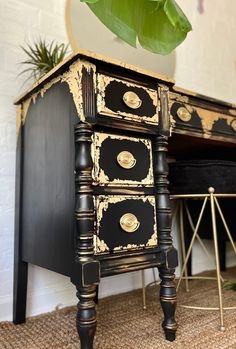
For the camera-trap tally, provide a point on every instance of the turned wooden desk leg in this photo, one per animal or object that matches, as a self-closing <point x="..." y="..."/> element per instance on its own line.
<point x="86" y="320"/>
<point x="167" y="287"/>
<point x="168" y="302"/>
<point x="87" y="270"/>
<point x="20" y="267"/>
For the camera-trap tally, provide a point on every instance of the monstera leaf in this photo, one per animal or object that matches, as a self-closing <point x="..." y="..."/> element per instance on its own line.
<point x="158" y="25"/>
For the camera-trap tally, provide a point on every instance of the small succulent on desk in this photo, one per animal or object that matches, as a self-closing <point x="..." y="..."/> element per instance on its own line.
<point x="42" y="57"/>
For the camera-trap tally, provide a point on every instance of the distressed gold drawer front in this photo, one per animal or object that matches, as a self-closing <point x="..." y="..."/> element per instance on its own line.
<point x="125" y="223"/>
<point x="122" y="99"/>
<point x="121" y="160"/>
<point x="200" y="119"/>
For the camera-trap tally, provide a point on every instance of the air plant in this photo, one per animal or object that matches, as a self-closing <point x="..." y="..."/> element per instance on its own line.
<point x="229" y="285"/>
<point x="42" y="57"/>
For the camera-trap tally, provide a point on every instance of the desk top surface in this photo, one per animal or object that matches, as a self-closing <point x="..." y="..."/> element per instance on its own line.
<point x="87" y="55"/>
<point x="84" y="54"/>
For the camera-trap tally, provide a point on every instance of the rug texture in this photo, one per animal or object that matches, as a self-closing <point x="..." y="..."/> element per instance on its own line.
<point x="123" y="324"/>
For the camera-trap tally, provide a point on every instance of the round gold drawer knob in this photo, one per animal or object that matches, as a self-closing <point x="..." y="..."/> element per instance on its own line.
<point x="132" y="100"/>
<point x="233" y="125"/>
<point x="129" y="223"/>
<point x="184" y="114"/>
<point x="126" y="159"/>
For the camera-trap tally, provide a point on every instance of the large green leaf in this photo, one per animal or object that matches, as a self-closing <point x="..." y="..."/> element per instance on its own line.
<point x="89" y="1"/>
<point x="119" y="19"/>
<point x="159" y="25"/>
<point x="176" y="16"/>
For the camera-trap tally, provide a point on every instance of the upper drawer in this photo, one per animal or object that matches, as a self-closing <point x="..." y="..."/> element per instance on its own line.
<point x="211" y="121"/>
<point x="121" y="160"/>
<point x="122" y="99"/>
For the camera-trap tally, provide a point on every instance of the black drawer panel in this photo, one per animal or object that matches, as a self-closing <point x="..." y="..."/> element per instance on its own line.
<point x="122" y="99"/>
<point x="125" y="223"/>
<point x="122" y="160"/>
<point x="201" y="119"/>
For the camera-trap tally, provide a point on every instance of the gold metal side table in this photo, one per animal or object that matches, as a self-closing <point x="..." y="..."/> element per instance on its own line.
<point x="181" y="204"/>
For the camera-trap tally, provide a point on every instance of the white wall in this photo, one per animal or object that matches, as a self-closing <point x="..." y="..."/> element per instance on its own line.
<point x="86" y="31"/>
<point x="205" y="62"/>
<point x="20" y="21"/>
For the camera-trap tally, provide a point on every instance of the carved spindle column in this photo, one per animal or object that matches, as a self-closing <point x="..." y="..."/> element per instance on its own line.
<point x="87" y="269"/>
<point x="165" y="243"/>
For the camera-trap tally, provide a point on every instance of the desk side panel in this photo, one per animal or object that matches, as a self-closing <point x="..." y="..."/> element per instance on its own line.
<point x="48" y="180"/>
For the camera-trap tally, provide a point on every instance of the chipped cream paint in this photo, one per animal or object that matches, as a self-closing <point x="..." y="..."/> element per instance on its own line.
<point x="153" y="240"/>
<point x="98" y="174"/>
<point x="99" y="245"/>
<point x="73" y="78"/>
<point x="164" y="108"/>
<point x="233" y="125"/>
<point x="206" y="98"/>
<point x="177" y="98"/>
<point x="26" y="103"/>
<point x="199" y="134"/>
<point x="25" y="108"/>
<point x="232" y="112"/>
<point x="102" y="203"/>
<point x="18" y="119"/>
<point x="207" y="117"/>
<point x="102" y="83"/>
<point x="82" y="54"/>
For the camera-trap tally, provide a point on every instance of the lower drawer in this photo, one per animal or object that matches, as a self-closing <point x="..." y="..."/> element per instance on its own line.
<point x="125" y="223"/>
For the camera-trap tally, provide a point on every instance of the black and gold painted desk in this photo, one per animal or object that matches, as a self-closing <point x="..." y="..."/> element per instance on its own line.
<point x="91" y="194"/>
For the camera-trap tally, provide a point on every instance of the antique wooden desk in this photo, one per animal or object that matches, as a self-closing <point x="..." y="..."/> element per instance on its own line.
<point x="91" y="195"/>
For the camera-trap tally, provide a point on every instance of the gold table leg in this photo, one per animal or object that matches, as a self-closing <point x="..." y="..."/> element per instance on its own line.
<point x="211" y="191"/>
<point x="183" y="246"/>
<point x="144" y="290"/>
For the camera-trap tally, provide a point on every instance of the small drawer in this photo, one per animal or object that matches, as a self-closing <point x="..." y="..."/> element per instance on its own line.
<point x="122" y="99"/>
<point x="121" y="160"/>
<point x="125" y="223"/>
<point x="202" y="119"/>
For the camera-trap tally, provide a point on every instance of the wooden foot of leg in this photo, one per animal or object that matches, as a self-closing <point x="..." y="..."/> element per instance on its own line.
<point x="20" y="291"/>
<point x="86" y="320"/>
<point x="168" y="302"/>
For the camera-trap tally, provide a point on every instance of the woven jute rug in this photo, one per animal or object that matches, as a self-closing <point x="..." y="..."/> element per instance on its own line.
<point x="123" y="324"/>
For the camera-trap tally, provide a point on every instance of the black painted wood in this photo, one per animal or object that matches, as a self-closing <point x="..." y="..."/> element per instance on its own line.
<point x="57" y="143"/>
<point x="109" y="151"/>
<point x="20" y="267"/>
<point x="114" y="93"/>
<point x="165" y="243"/>
<point x="110" y="230"/>
<point x="194" y="123"/>
<point x="117" y="263"/>
<point x="89" y="95"/>
<point x="57" y="181"/>
<point x="48" y="181"/>
<point x="118" y="190"/>
<point x="87" y="270"/>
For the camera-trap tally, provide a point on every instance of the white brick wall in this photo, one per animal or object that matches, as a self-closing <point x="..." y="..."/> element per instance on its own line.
<point x="205" y="63"/>
<point x="20" y="21"/>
